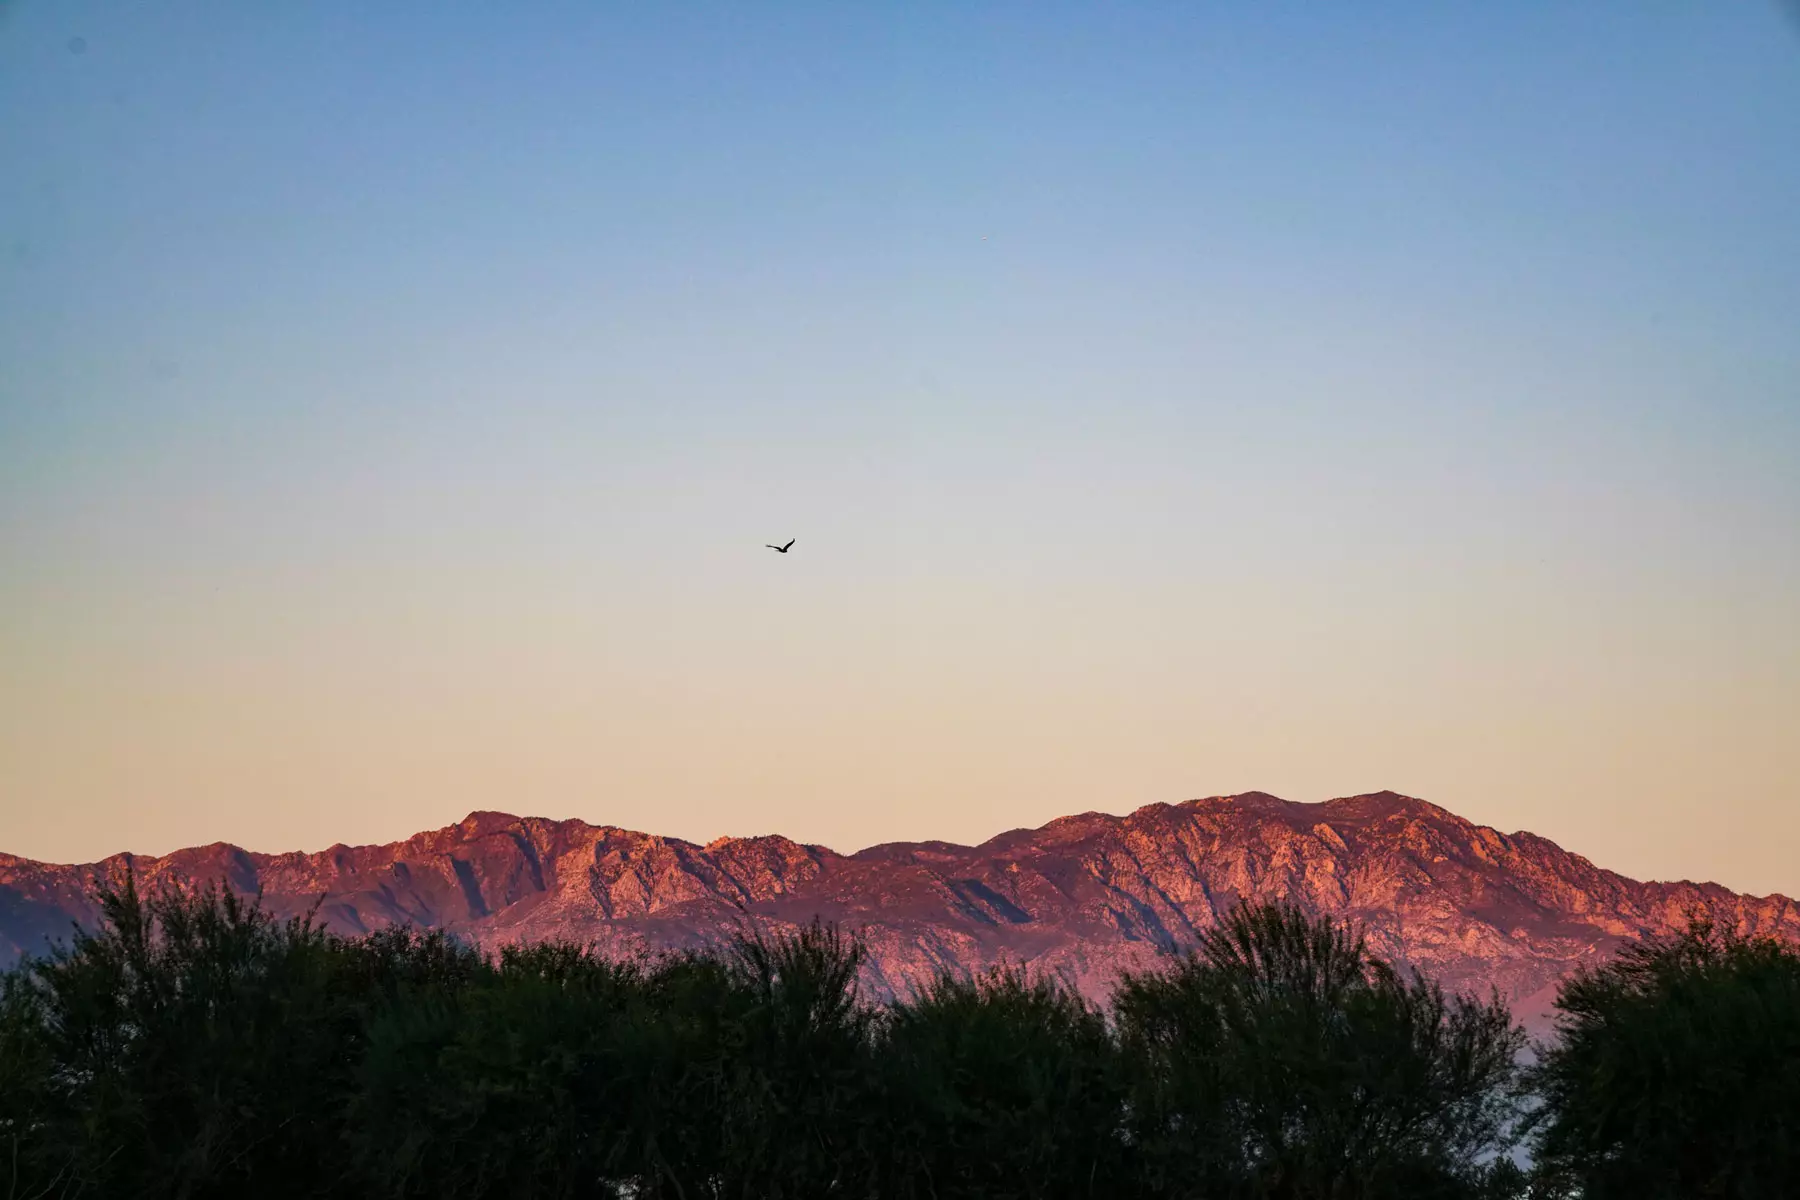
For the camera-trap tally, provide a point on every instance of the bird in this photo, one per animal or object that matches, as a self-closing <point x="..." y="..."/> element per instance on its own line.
<point x="781" y="549"/>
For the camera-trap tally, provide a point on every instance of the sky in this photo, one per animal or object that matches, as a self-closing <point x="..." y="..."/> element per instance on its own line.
<point x="1166" y="400"/>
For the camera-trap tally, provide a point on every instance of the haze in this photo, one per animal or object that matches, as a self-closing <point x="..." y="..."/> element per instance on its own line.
<point x="1165" y="400"/>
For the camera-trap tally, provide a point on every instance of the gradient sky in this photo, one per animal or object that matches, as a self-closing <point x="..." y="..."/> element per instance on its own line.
<point x="1168" y="400"/>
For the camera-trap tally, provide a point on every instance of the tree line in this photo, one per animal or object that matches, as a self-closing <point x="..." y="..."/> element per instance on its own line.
<point x="193" y="1046"/>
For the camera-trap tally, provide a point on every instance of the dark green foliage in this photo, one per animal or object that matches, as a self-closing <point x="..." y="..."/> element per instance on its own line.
<point x="1000" y="1087"/>
<point x="560" y="1074"/>
<point x="28" y="1165"/>
<point x="1282" y="1060"/>
<point x="798" y="1071"/>
<point x="191" y="1048"/>
<point x="499" y="1088"/>
<point x="195" y="1047"/>
<point x="1676" y="1072"/>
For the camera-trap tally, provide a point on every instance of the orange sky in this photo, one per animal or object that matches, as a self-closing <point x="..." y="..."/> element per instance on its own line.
<point x="1165" y="403"/>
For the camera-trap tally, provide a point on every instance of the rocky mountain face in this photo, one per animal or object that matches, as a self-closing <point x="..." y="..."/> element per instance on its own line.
<point x="1085" y="895"/>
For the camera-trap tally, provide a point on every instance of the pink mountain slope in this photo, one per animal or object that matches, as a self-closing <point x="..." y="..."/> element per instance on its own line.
<point x="1085" y="895"/>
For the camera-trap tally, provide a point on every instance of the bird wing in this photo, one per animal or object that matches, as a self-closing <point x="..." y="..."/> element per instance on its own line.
<point x="791" y="541"/>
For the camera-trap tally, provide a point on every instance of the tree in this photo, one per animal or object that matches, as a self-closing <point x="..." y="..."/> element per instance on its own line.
<point x="1284" y="1060"/>
<point x="194" y="1046"/>
<point x="29" y="1163"/>
<point x="1000" y="1087"/>
<point x="188" y="1048"/>
<point x="799" y="1076"/>
<point x="1676" y="1072"/>
<point x="558" y="1074"/>
<point x="540" y="1076"/>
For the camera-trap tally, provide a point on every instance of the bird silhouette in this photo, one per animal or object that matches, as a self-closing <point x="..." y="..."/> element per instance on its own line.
<point x="781" y="549"/>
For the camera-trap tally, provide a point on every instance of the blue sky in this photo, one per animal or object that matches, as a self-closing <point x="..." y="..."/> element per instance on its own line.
<point x="1167" y="400"/>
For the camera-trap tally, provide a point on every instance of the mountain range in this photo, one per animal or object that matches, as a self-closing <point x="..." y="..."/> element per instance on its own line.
<point x="1087" y="895"/>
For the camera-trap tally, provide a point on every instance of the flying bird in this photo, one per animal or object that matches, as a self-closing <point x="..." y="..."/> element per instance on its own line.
<point x="782" y="549"/>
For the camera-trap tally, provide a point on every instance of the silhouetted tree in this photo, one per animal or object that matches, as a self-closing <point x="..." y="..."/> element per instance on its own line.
<point x="518" y="1083"/>
<point x="1000" y="1086"/>
<point x="1676" y="1072"/>
<point x="192" y="1048"/>
<point x="558" y="1073"/>
<point x="1284" y="1060"/>
<point x="195" y="1046"/>
<point x="799" y="1074"/>
<point x="30" y="1161"/>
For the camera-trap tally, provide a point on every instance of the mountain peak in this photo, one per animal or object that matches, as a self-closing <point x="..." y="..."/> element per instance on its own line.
<point x="1389" y="804"/>
<point x="1090" y="894"/>
<point x="484" y="821"/>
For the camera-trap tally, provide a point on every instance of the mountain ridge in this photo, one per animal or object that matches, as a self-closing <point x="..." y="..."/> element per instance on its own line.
<point x="1088" y="895"/>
